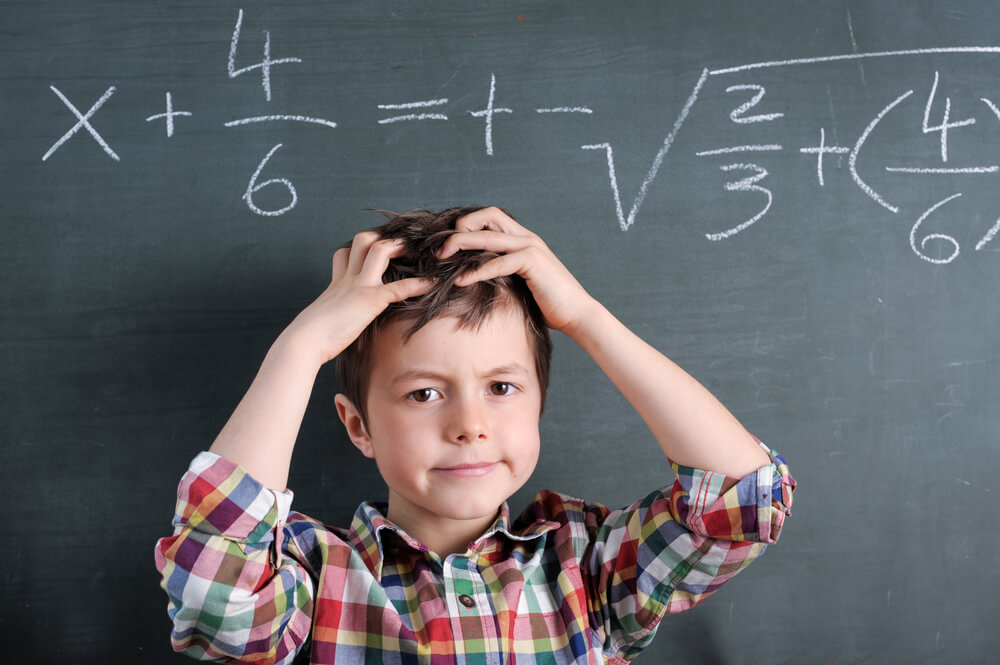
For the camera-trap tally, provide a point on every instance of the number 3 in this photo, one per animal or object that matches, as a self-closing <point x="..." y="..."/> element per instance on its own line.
<point x="748" y="184"/>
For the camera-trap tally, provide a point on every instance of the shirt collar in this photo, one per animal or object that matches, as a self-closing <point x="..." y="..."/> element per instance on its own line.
<point x="530" y="531"/>
<point x="370" y="526"/>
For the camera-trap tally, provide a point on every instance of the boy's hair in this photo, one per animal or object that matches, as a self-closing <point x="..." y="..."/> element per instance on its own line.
<point x="424" y="233"/>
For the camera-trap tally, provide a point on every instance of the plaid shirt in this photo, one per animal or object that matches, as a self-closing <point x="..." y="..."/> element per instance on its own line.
<point x="567" y="582"/>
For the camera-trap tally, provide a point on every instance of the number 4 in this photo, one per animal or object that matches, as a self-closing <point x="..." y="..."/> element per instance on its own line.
<point x="945" y="125"/>
<point x="264" y="65"/>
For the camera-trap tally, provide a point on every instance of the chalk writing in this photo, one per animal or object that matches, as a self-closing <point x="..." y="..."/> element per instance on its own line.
<point x="737" y="113"/>
<point x="933" y="236"/>
<point x="989" y="236"/>
<point x="741" y="114"/>
<point x="821" y="150"/>
<point x="992" y="106"/>
<point x="83" y="121"/>
<point x="169" y="115"/>
<point x="856" y="56"/>
<point x="746" y="164"/>
<point x="623" y="221"/>
<point x="274" y="118"/>
<point x="748" y="184"/>
<point x="264" y="65"/>
<point x="945" y="125"/>
<point x="489" y="112"/>
<point x="740" y="148"/>
<point x="255" y="187"/>
<point x="566" y="109"/>
<point x="414" y="116"/>
<point x="946" y="247"/>
<point x="925" y="170"/>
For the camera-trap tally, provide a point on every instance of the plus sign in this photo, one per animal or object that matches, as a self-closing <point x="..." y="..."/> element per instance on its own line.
<point x="169" y="115"/>
<point x="488" y="113"/>
<point x="821" y="150"/>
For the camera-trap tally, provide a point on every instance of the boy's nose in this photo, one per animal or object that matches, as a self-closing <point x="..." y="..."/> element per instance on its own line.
<point x="468" y="422"/>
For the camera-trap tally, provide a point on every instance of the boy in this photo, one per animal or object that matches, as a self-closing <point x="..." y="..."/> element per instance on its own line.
<point x="439" y="323"/>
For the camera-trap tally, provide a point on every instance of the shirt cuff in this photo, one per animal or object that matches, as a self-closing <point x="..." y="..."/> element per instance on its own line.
<point x="775" y="488"/>
<point x="220" y="498"/>
<point x="751" y="508"/>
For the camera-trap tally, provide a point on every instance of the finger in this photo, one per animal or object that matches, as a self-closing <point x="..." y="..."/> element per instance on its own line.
<point x="488" y="240"/>
<point x="379" y="255"/>
<point x="506" y="264"/>
<point x="408" y="288"/>
<point x="359" y="250"/>
<point x="492" y="218"/>
<point x="340" y="259"/>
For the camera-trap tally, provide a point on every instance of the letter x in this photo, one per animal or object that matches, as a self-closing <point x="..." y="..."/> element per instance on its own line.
<point x="83" y="122"/>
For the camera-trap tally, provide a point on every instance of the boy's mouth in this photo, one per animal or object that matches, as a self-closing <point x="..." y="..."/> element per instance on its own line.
<point x="473" y="470"/>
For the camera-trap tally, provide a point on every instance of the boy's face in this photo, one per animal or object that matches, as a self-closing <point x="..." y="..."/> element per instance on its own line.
<point x="452" y="419"/>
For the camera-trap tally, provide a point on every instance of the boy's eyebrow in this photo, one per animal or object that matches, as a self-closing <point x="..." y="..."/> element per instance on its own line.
<point x="510" y="369"/>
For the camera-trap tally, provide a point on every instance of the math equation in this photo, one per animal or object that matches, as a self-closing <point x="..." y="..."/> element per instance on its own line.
<point x="753" y="109"/>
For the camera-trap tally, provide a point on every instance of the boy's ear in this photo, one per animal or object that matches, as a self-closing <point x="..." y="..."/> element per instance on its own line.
<point x="351" y="417"/>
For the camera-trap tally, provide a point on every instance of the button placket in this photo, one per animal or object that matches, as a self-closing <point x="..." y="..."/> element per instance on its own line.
<point x="462" y="583"/>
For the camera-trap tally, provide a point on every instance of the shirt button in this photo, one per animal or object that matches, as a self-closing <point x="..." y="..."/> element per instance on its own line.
<point x="467" y="601"/>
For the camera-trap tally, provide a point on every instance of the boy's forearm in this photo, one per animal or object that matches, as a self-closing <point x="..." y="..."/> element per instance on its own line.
<point x="261" y="433"/>
<point x="692" y="427"/>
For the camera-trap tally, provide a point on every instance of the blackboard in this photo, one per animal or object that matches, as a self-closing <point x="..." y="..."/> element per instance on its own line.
<point x="795" y="201"/>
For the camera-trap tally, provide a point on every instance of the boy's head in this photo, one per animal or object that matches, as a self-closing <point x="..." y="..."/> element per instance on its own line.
<point x="424" y="233"/>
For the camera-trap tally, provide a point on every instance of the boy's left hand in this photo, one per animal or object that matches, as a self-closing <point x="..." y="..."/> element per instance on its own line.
<point x="560" y="297"/>
<point x="692" y="427"/>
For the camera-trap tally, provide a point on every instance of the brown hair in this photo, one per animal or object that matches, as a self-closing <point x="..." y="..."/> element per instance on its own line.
<point x="424" y="233"/>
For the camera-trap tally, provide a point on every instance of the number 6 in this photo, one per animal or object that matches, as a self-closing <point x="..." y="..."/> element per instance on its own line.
<point x="933" y="236"/>
<point x="253" y="188"/>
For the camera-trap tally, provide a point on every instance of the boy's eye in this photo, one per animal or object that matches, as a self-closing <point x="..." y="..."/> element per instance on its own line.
<point x="424" y="395"/>
<point x="501" y="388"/>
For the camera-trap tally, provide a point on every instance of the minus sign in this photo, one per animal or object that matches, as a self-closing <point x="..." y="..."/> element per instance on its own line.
<point x="935" y="171"/>
<point x="741" y="148"/>
<point x="270" y="118"/>
<point x="565" y="109"/>
<point x="414" y="105"/>
<point x="413" y="116"/>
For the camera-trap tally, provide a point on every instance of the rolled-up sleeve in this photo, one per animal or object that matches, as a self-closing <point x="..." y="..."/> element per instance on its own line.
<point x="232" y="595"/>
<point x="752" y="508"/>
<point x="674" y="548"/>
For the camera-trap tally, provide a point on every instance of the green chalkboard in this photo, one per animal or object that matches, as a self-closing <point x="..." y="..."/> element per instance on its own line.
<point x="796" y="201"/>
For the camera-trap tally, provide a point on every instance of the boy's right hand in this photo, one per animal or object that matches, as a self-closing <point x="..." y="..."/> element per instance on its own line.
<point x="261" y="433"/>
<point x="355" y="296"/>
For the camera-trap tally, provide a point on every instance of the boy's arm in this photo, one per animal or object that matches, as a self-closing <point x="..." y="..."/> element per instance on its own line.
<point x="261" y="433"/>
<point x="692" y="427"/>
<point x="237" y="589"/>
